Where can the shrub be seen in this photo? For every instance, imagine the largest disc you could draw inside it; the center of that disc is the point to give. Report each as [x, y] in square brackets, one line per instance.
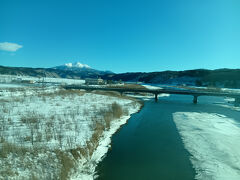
[117, 110]
[7, 148]
[66, 162]
[113, 112]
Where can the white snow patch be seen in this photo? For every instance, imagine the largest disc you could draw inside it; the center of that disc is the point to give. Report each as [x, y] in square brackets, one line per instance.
[46, 80]
[213, 140]
[151, 87]
[147, 96]
[77, 65]
[229, 103]
[231, 90]
[10, 85]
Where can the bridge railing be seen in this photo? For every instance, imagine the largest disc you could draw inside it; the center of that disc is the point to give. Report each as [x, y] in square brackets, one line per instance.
[194, 93]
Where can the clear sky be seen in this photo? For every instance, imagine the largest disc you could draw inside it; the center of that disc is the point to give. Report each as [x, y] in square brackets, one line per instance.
[121, 35]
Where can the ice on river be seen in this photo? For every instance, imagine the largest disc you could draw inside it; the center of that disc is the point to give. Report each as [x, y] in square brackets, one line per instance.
[213, 140]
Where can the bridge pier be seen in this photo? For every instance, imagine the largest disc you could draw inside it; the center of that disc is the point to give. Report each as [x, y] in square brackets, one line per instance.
[155, 92]
[156, 97]
[195, 99]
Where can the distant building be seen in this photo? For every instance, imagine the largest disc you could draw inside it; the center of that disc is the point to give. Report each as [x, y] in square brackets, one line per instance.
[92, 81]
[28, 81]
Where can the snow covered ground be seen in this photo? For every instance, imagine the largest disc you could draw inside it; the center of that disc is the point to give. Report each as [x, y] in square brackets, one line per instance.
[10, 85]
[10, 78]
[231, 90]
[229, 103]
[151, 87]
[48, 133]
[146, 96]
[213, 140]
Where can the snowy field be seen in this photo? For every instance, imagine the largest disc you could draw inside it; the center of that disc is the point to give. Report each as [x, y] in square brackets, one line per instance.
[10, 78]
[213, 140]
[151, 87]
[51, 133]
[231, 90]
[10, 85]
[146, 96]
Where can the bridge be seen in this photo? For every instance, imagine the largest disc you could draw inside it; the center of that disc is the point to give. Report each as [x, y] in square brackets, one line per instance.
[156, 92]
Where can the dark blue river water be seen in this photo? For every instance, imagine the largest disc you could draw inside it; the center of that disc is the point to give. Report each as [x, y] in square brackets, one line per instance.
[149, 146]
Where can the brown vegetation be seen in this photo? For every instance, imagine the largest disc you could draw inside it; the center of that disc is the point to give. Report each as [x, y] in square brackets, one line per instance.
[62, 92]
[66, 164]
[7, 148]
[128, 86]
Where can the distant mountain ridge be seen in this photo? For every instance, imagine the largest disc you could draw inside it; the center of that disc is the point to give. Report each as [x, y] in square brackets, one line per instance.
[69, 70]
[229, 78]
[78, 67]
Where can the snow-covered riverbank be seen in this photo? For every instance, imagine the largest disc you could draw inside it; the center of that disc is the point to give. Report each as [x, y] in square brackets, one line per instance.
[213, 140]
[48, 133]
[86, 168]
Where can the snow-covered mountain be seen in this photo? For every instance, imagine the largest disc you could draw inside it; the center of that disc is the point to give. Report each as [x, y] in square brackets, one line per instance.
[77, 65]
[73, 66]
[84, 69]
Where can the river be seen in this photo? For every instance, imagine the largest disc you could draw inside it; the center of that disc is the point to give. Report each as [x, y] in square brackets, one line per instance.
[149, 146]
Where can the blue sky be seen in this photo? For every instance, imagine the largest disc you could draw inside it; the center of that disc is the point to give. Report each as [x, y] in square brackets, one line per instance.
[121, 35]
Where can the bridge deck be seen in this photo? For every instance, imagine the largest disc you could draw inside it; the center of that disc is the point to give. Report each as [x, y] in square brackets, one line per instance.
[158, 91]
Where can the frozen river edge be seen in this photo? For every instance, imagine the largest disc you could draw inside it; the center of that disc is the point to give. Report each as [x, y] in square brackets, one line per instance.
[86, 168]
[213, 142]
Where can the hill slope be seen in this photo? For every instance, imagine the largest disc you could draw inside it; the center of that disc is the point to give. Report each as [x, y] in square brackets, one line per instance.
[53, 72]
[229, 78]
[221, 77]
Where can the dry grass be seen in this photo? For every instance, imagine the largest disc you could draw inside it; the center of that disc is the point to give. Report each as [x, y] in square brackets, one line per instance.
[118, 95]
[8, 172]
[112, 112]
[62, 92]
[79, 152]
[7, 148]
[116, 110]
[67, 164]
[30, 118]
[98, 131]
[76, 153]
[108, 93]
[129, 86]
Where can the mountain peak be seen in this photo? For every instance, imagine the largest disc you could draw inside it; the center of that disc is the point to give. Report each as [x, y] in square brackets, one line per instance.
[76, 65]
[84, 69]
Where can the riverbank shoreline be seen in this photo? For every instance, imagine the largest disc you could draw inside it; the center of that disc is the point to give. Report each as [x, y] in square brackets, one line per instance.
[87, 167]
